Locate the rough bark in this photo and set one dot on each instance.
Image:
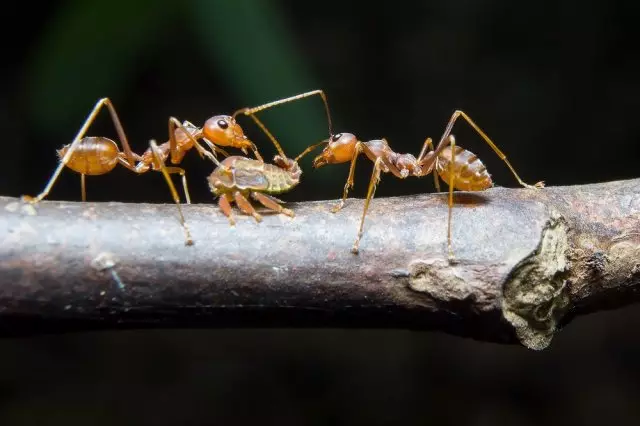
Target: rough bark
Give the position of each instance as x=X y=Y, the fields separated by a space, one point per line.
x=527 y=263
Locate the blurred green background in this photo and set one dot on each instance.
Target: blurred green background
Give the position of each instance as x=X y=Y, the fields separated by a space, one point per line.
x=554 y=83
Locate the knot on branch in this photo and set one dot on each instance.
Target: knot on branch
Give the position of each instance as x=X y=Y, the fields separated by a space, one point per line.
x=535 y=295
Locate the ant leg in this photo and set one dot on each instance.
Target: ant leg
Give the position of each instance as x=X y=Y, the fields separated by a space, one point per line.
x=174 y=193
x=131 y=157
x=493 y=146
x=83 y=187
x=183 y=175
x=436 y=181
x=360 y=148
x=215 y=148
x=349 y=184
x=428 y=143
x=225 y=207
x=271 y=203
x=143 y=167
x=375 y=179
x=451 y=184
x=246 y=206
x=251 y=111
x=87 y=123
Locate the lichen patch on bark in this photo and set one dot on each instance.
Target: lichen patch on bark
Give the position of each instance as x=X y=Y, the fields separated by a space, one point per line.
x=535 y=296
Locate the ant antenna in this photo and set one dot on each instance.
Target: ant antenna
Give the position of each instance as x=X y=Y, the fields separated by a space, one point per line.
x=251 y=111
x=311 y=148
x=269 y=135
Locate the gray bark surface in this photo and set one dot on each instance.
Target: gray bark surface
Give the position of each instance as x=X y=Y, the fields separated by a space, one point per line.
x=528 y=262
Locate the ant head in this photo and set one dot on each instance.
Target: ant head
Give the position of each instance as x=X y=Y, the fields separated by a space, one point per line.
x=224 y=131
x=340 y=149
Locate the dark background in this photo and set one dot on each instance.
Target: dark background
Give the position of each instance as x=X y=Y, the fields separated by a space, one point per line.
x=555 y=84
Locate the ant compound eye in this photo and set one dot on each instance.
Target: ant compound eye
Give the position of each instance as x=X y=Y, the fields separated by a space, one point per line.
x=336 y=137
x=223 y=124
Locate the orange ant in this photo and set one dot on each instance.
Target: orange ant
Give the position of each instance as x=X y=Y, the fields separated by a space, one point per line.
x=95 y=156
x=99 y=155
x=461 y=169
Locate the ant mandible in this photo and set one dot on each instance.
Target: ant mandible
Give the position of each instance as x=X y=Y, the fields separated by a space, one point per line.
x=461 y=169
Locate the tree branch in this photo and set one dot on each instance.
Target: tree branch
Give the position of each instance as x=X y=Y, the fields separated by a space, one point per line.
x=528 y=262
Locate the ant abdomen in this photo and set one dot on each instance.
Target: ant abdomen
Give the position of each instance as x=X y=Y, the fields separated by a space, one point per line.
x=94 y=155
x=470 y=173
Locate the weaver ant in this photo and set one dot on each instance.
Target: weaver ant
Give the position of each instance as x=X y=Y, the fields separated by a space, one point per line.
x=94 y=156
x=461 y=169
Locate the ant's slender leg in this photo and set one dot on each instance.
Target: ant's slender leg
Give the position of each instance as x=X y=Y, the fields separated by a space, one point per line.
x=486 y=138
x=83 y=187
x=131 y=157
x=87 y=123
x=360 y=148
x=245 y=206
x=214 y=147
x=436 y=181
x=183 y=175
x=271 y=203
x=143 y=167
x=375 y=179
x=251 y=111
x=174 y=193
x=428 y=143
x=451 y=184
x=225 y=207
x=349 y=183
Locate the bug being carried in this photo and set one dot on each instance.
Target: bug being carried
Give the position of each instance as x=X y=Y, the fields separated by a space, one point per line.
x=461 y=169
x=239 y=178
x=95 y=155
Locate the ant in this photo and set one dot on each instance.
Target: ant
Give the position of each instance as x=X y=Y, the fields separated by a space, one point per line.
x=461 y=169
x=237 y=178
x=99 y=155
x=95 y=156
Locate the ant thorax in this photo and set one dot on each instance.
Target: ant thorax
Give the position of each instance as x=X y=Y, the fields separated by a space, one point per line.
x=407 y=164
x=380 y=148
